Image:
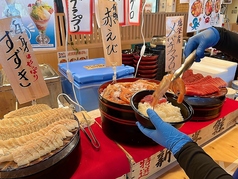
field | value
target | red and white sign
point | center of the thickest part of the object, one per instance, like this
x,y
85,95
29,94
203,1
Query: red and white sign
x,y
134,12
79,16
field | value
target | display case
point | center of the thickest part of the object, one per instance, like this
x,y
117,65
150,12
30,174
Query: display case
x,y
9,100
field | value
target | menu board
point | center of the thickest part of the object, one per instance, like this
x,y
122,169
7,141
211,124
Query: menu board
x,y
203,14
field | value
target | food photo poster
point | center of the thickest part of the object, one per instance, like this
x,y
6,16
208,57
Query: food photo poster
x,y
203,14
38,18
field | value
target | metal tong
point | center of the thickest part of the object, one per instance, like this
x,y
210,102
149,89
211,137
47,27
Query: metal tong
x,y
186,65
91,136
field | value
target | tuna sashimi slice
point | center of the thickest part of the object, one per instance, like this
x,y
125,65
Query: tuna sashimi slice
x,y
198,85
201,90
192,78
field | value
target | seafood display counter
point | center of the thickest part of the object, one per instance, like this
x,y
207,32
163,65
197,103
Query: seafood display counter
x,y
116,160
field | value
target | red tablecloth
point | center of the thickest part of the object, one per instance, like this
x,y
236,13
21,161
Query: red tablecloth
x,y
140,153
109,162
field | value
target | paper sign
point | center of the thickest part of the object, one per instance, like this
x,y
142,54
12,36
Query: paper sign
x,y
134,12
174,42
110,32
121,11
73,55
121,8
80,16
203,14
19,62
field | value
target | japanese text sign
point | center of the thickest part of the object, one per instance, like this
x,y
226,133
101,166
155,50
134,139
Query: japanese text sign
x,y
79,16
174,42
134,12
110,32
19,62
152,164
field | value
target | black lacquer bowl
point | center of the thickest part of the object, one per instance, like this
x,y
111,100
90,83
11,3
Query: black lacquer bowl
x,y
119,121
185,108
207,107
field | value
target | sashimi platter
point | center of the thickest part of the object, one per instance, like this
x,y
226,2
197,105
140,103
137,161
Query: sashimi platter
x,y
206,94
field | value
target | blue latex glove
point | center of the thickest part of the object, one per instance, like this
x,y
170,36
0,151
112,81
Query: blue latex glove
x,y
164,134
202,41
235,175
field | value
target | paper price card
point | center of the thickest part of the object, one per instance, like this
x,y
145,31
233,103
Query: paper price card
x,y
174,42
19,62
110,31
80,16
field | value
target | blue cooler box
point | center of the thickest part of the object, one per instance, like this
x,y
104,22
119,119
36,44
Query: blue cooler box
x,y
88,75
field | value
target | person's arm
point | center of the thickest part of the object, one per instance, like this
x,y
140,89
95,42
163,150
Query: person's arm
x,y
228,42
197,164
219,38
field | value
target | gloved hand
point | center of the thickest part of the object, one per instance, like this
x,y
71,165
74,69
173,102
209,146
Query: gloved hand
x,y
164,133
202,41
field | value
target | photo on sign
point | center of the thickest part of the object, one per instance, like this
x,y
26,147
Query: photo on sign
x,y
227,2
38,17
203,14
73,56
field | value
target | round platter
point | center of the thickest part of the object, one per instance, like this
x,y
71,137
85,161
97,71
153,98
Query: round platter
x,y
207,107
11,170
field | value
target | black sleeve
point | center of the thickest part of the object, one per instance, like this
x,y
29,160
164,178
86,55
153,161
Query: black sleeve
x,y
199,165
228,42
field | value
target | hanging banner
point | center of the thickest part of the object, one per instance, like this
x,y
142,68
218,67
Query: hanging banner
x,y
174,42
19,62
203,14
79,16
110,32
134,8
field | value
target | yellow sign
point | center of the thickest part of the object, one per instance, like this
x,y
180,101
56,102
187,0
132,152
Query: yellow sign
x,y
108,18
19,62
